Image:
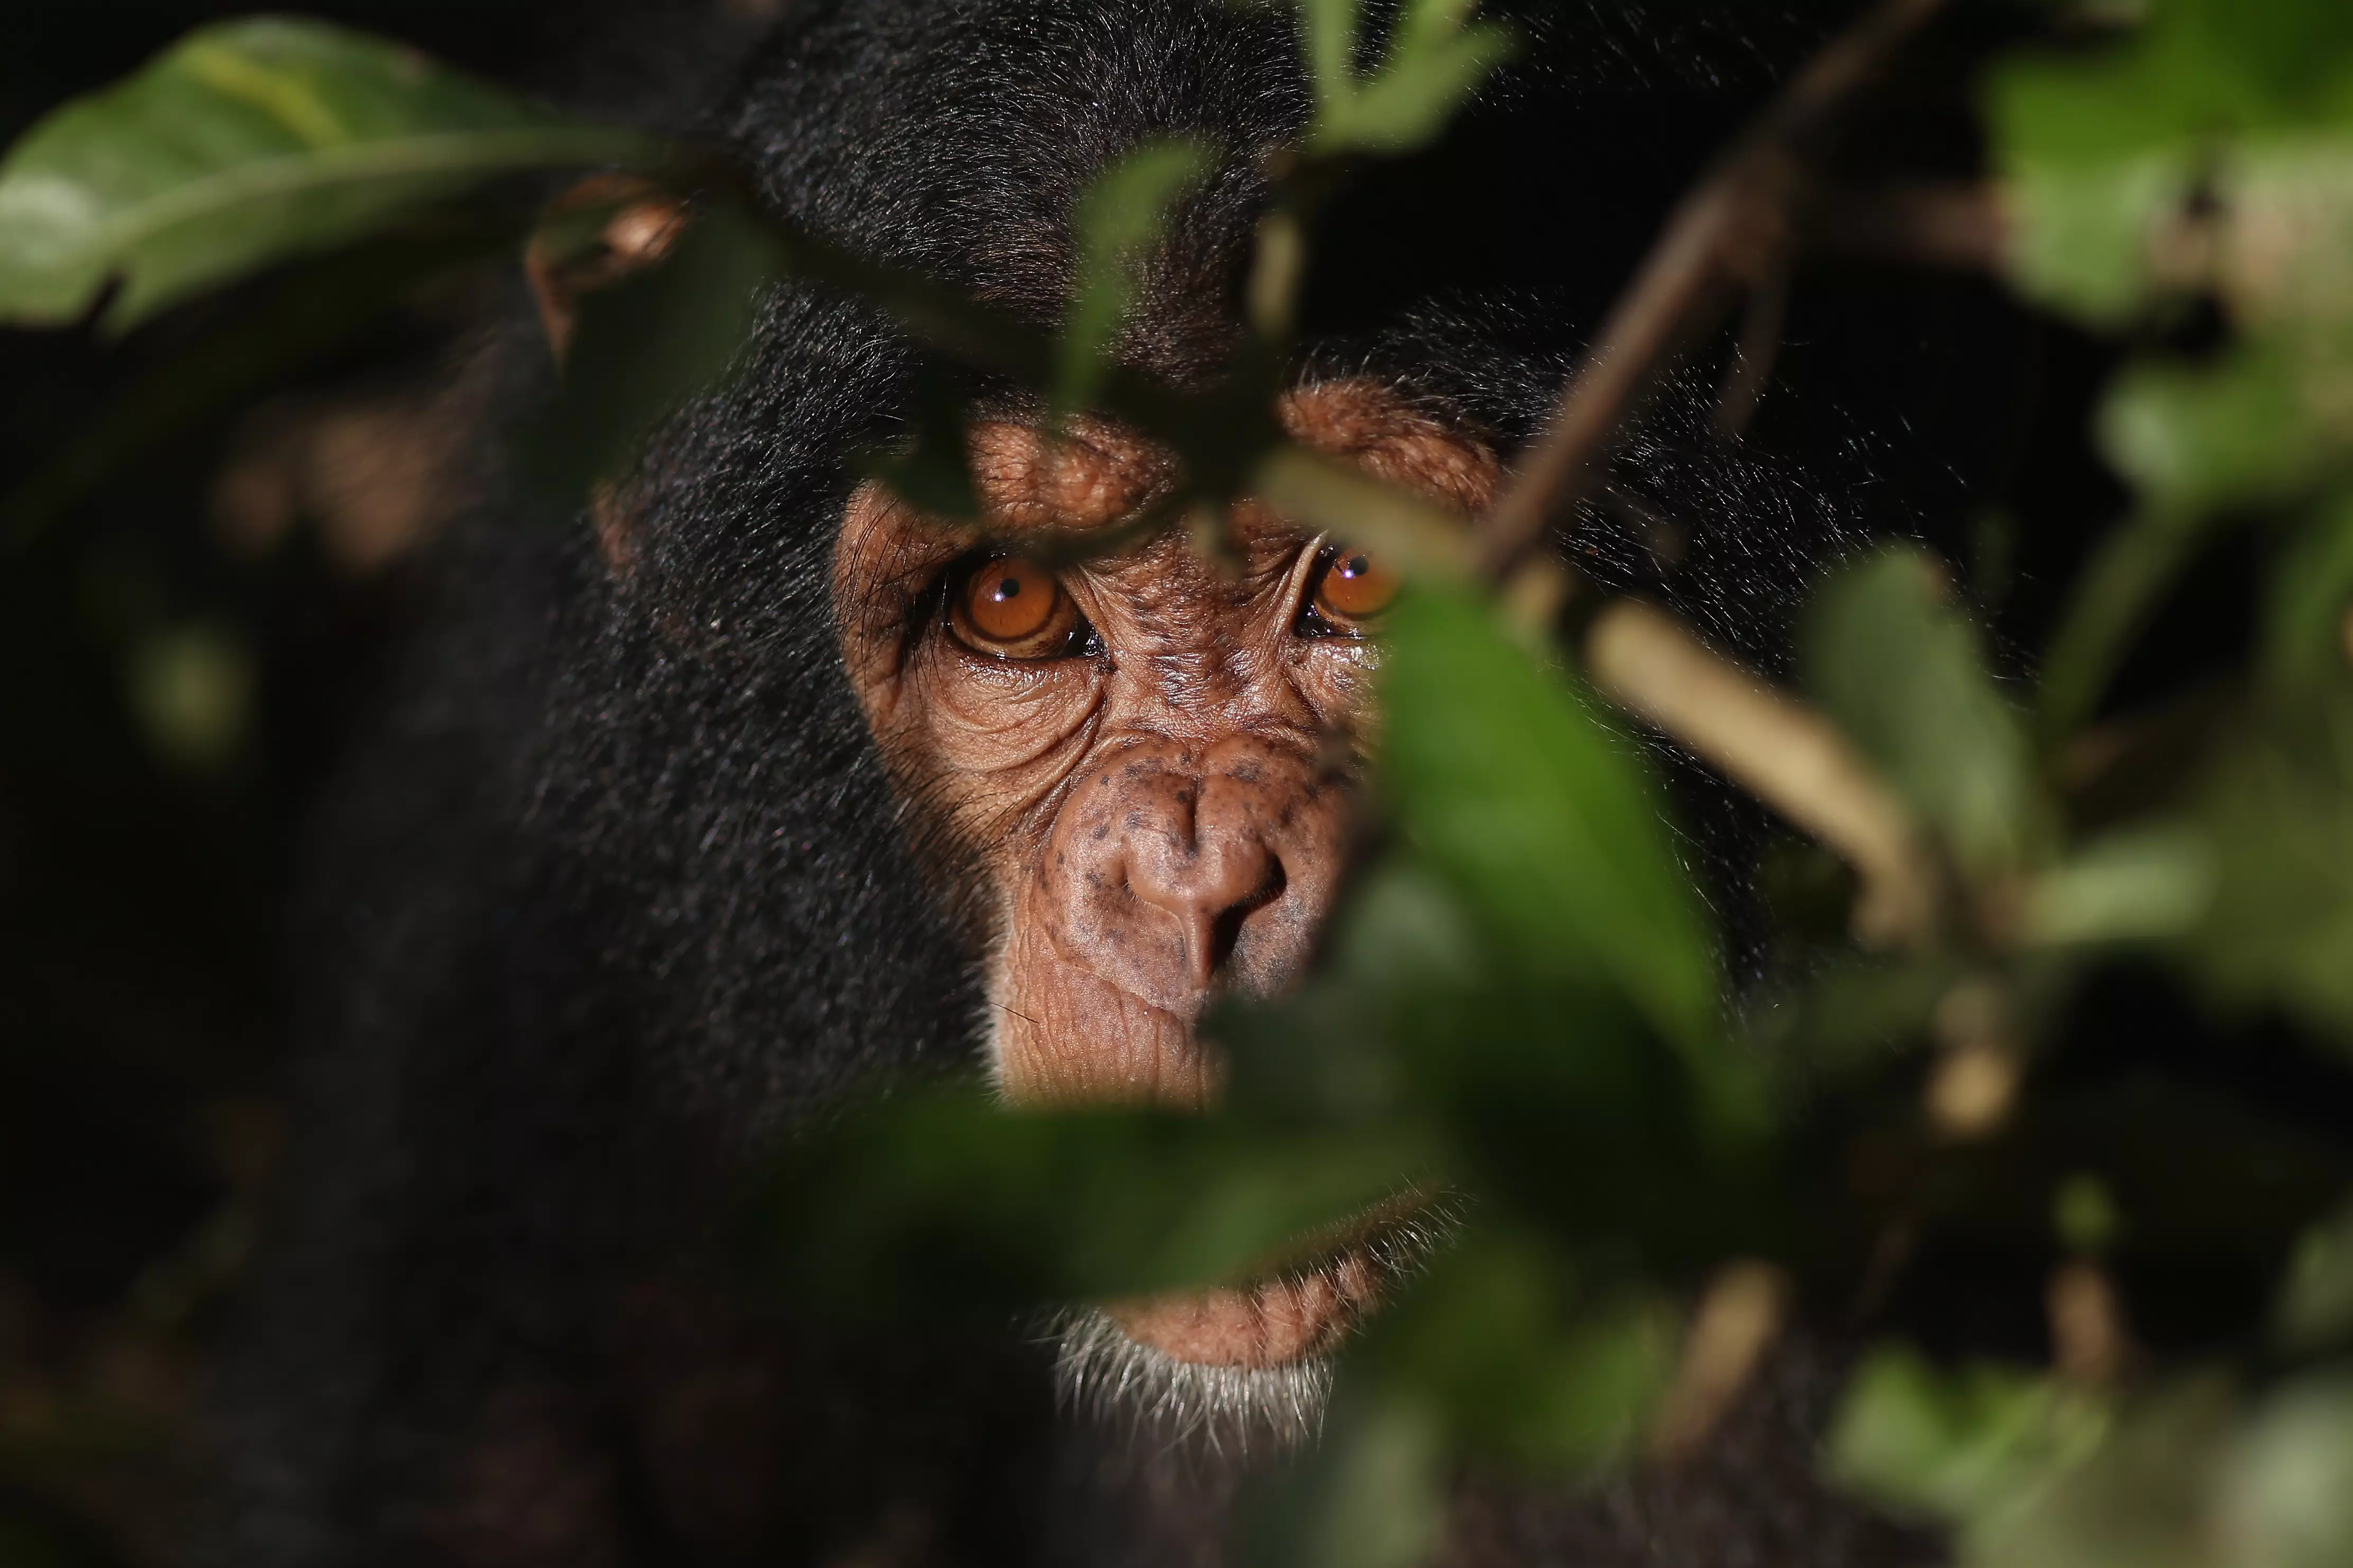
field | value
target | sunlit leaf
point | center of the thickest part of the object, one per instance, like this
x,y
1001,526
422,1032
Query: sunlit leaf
x,y
245,145
1902,672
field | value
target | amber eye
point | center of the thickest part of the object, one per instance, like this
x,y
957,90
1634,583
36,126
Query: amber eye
x,y
1013,608
1356,586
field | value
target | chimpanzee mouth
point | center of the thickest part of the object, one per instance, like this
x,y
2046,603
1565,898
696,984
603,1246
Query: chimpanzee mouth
x,y
1244,1366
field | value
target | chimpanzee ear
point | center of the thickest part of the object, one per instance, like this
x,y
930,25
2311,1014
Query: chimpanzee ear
x,y
593,235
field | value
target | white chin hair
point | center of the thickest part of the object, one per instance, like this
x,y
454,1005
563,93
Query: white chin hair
x,y
1232,1411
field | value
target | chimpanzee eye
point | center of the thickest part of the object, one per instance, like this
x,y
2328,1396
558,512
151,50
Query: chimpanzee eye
x,y
1354,587
1013,608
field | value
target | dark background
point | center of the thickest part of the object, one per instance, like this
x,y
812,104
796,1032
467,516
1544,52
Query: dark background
x,y
142,856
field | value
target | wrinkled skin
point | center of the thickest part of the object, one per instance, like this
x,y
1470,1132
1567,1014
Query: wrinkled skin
x,y
1158,802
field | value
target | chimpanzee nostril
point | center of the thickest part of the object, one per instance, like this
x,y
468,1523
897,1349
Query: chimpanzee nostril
x,y
1226,929
1211,879
1179,867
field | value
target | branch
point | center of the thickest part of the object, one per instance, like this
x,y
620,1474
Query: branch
x,y
1736,226
1779,750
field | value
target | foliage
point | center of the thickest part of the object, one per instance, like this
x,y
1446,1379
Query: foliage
x,y
249,142
1519,1009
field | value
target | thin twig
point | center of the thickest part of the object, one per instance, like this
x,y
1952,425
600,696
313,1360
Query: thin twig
x,y
1965,228
1781,751
1715,237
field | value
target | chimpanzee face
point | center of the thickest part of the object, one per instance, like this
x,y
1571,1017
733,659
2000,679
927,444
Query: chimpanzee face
x,y
1145,761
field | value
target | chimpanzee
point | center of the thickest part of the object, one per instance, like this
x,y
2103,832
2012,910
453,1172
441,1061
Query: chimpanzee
x,y
759,786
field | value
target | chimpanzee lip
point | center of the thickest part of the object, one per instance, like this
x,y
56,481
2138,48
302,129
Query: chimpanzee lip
x,y
1300,1313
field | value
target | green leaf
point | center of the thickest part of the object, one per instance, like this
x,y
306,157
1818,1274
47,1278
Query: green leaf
x,y
950,1202
2139,885
1371,1494
1522,1367
1436,59
1515,788
2139,1500
2314,1309
2081,238
1557,1104
1902,672
2245,432
2104,149
2279,812
2308,621
1964,1446
2114,597
1118,222
1856,1015
248,143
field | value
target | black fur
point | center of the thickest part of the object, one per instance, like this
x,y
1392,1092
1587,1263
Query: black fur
x,y
619,889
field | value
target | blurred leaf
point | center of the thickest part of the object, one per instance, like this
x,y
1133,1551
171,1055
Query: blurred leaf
x,y
192,690
1539,811
2102,149
2314,1309
1118,222
1901,671
1560,1105
2113,598
1370,1495
934,472
2137,1500
2280,815
1520,1366
952,1202
2145,884
2244,431
1436,59
1963,1446
649,345
1854,1016
2284,1491
245,143
2084,1216
2308,623
2081,238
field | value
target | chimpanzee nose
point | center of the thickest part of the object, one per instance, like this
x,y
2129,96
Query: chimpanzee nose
x,y
1173,866
1209,873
